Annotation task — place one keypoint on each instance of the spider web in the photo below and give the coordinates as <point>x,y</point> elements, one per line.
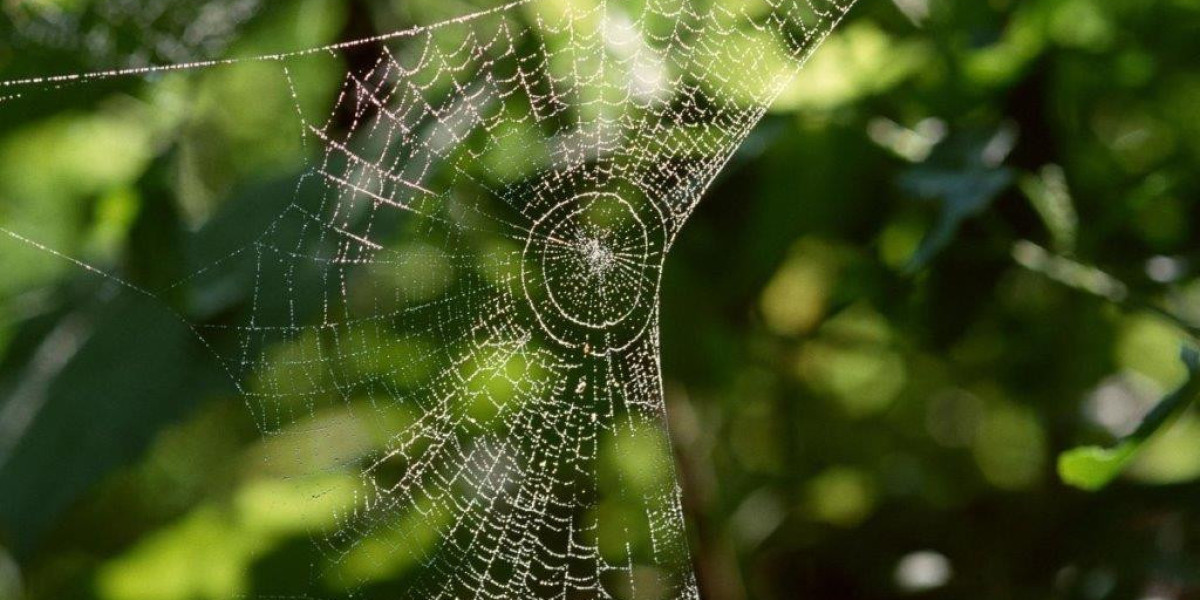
<point>471,266</point>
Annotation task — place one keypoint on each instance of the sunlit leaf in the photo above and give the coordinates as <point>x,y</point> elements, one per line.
<point>1048,193</point>
<point>1092,467</point>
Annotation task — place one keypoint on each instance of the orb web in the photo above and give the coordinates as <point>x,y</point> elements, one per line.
<point>590,271</point>
<point>453,324</point>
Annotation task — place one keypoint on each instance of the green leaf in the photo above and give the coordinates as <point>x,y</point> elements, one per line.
<point>137,368</point>
<point>1092,468</point>
<point>963,176</point>
<point>1050,196</point>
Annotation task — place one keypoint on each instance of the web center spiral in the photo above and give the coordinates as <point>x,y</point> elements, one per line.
<point>591,271</point>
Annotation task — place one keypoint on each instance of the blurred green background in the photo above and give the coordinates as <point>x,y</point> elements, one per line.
<point>967,238</point>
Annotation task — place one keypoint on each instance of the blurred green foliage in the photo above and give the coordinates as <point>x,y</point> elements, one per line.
<point>964,240</point>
